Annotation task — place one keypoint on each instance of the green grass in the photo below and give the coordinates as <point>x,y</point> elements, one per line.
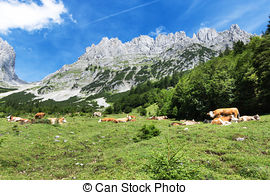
<point>90,150</point>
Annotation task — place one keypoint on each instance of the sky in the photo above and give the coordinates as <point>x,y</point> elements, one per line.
<point>47,34</point>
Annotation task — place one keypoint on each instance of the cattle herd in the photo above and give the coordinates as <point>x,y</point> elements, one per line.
<point>221,116</point>
<point>37,119</point>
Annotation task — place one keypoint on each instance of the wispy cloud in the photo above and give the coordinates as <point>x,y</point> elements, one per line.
<point>159,30</point>
<point>193,5</point>
<point>29,15</point>
<point>123,11</point>
<point>239,14</point>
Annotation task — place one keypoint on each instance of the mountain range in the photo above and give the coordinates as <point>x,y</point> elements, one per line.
<point>115,66</point>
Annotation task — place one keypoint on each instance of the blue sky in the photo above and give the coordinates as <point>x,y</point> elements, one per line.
<point>47,34</point>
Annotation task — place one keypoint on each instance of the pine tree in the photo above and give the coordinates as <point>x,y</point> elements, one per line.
<point>267,32</point>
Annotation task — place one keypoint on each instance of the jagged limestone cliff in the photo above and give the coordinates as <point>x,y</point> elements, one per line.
<point>8,77</point>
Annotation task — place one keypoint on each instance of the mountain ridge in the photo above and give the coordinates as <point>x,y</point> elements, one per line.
<point>115,66</point>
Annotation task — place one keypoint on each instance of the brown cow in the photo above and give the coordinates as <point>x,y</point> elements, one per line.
<point>224,120</point>
<point>24,121</point>
<point>132,117</point>
<point>122,120</point>
<point>224,112</point>
<point>39,115</point>
<point>176,124</point>
<point>106,120</point>
<point>62,120</point>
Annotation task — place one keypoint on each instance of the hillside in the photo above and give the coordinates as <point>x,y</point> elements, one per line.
<point>84,149</point>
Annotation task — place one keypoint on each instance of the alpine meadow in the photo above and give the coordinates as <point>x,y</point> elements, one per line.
<point>144,109</point>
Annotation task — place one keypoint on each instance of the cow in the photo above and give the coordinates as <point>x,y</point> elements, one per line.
<point>24,121</point>
<point>224,112</point>
<point>122,120</point>
<point>157,118</point>
<point>54,121</point>
<point>249,118</point>
<point>62,120</point>
<point>98,114</point>
<point>176,124</point>
<point>13,118</point>
<point>106,120</point>
<point>132,117</point>
<point>224,120</point>
<point>39,115</point>
<point>189,122</point>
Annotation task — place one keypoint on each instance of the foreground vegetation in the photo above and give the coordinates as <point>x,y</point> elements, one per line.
<point>86,149</point>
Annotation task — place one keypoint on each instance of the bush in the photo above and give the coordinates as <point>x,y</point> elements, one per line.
<point>141,110</point>
<point>164,167</point>
<point>147,132</point>
<point>127,109</point>
<point>109,110</point>
<point>169,166</point>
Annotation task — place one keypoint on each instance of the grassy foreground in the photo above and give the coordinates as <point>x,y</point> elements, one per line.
<point>86,149</point>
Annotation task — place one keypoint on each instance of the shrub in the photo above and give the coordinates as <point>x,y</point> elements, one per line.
<point>147,132</point>
<point>168,166</point>
<point>127,109</point>
<point>164,168</point>
<point>142,111</point>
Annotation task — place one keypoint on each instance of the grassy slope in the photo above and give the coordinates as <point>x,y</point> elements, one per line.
<point>107,150</point>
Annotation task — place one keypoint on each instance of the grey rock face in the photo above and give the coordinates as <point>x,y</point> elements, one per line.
<point>115,66</point>
<point>7,65</point>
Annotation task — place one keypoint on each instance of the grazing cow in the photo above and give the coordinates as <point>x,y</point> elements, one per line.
<point>224,120</point>
<point>106,120</point>
<point>98,114</point>
<point>249,118</point>
<point>13,118</point>
<point>122,120</point>
<point>224,112</point>
<point>39,115</point>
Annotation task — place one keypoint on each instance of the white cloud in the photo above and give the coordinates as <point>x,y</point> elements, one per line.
<point>159,30</point>
<point>29,15</point>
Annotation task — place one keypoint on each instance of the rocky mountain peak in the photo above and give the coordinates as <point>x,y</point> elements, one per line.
<point>7,65</point>
<point>207,34</point>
